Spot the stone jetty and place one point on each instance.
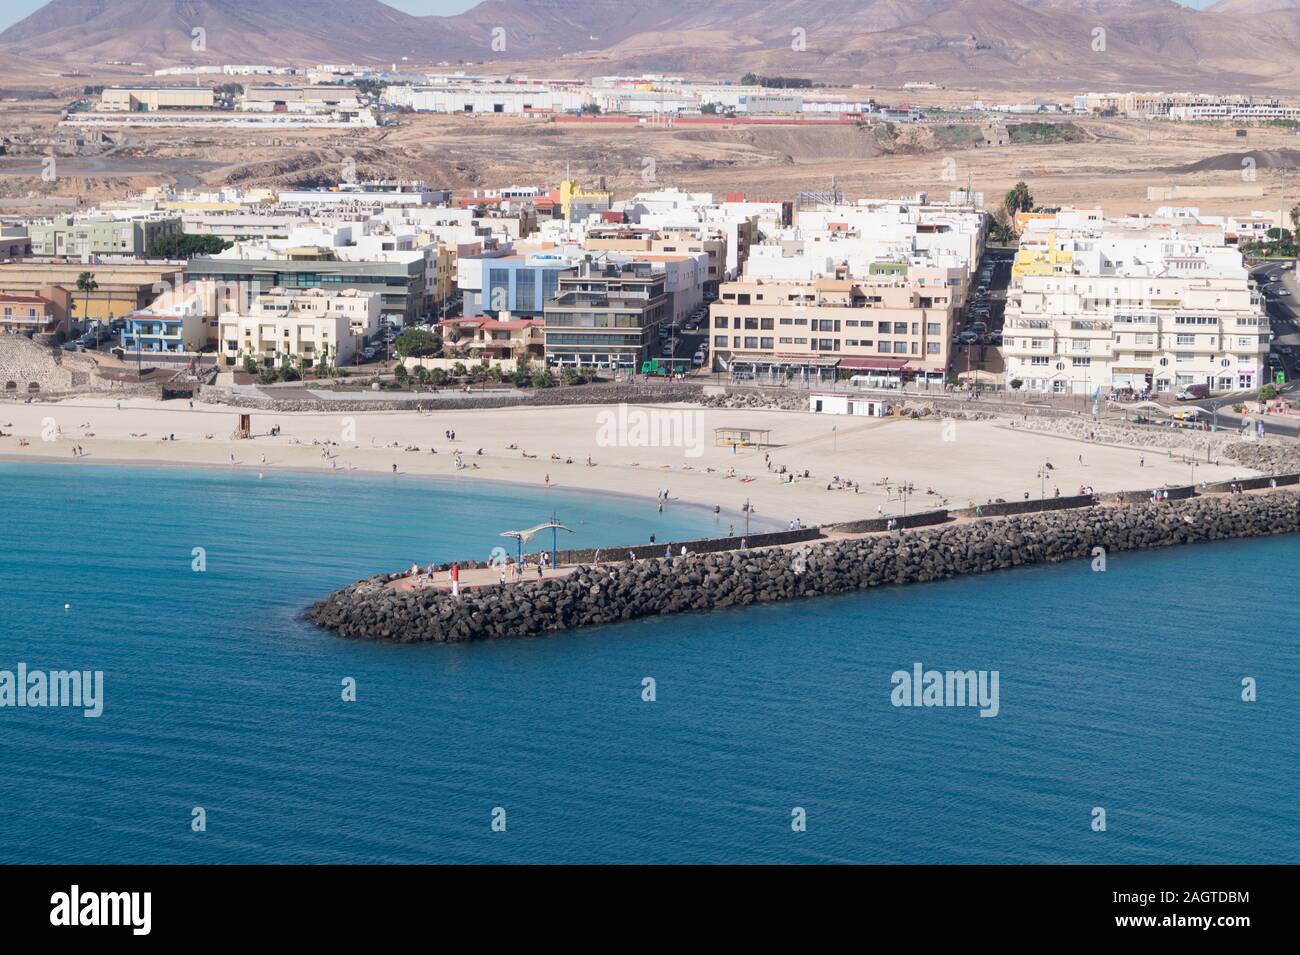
(592, 595)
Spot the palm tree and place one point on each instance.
(1018, 199)
(86, 284)
(1295, 218)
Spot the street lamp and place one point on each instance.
(1042, 477)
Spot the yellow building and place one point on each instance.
(120, 288)
(1041, 260)
(572, 194)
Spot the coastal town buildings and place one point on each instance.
(121, 287)
(300, 327)
(117, 233)
(895, 323)
(1148, 305)
(26, 315)
(494, 339)
(394, 266)
(606, 315)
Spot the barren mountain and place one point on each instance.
(181, 32)
(1050, 44)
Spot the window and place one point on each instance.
(932, 328)
(526, 290)
(900, 348)
(932, 348)
(1081, 362)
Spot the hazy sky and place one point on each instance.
(11, 11)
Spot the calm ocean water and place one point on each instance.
(1118, 690)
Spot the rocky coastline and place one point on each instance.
(593, 595)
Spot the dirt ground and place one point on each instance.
(1112, 162)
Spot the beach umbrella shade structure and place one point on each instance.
(524, 536)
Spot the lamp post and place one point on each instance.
(1042, 477)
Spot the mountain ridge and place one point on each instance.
(1049, 44)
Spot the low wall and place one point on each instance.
(628, 590)
(1254, 484)
(546, 397)
(1173, 493)
(710, 545)
(877, 524)
(1032, 506)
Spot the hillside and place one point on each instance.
(1052, 44)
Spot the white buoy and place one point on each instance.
(67, 607)
(259, 475)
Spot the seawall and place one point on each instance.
(627, 590)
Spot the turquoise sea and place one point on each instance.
(1119, 690)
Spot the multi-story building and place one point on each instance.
(26, 315)
(708, 242)
(606, 315)
(895, 324)
(494, 339)
(519, 284)
(1134, 305)
(398, 276)
(120, 287)
(307, 327)
(174, 329)
(124, 234)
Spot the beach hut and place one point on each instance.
(742, 438)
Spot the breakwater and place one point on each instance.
(592, 595)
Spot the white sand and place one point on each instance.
(983, 461)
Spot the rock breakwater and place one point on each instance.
(609, 593)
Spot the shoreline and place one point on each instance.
(758, 522)
(813, 469)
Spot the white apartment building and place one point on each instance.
(1136, 306)
(298, 326)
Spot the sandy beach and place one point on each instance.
(852, 471)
